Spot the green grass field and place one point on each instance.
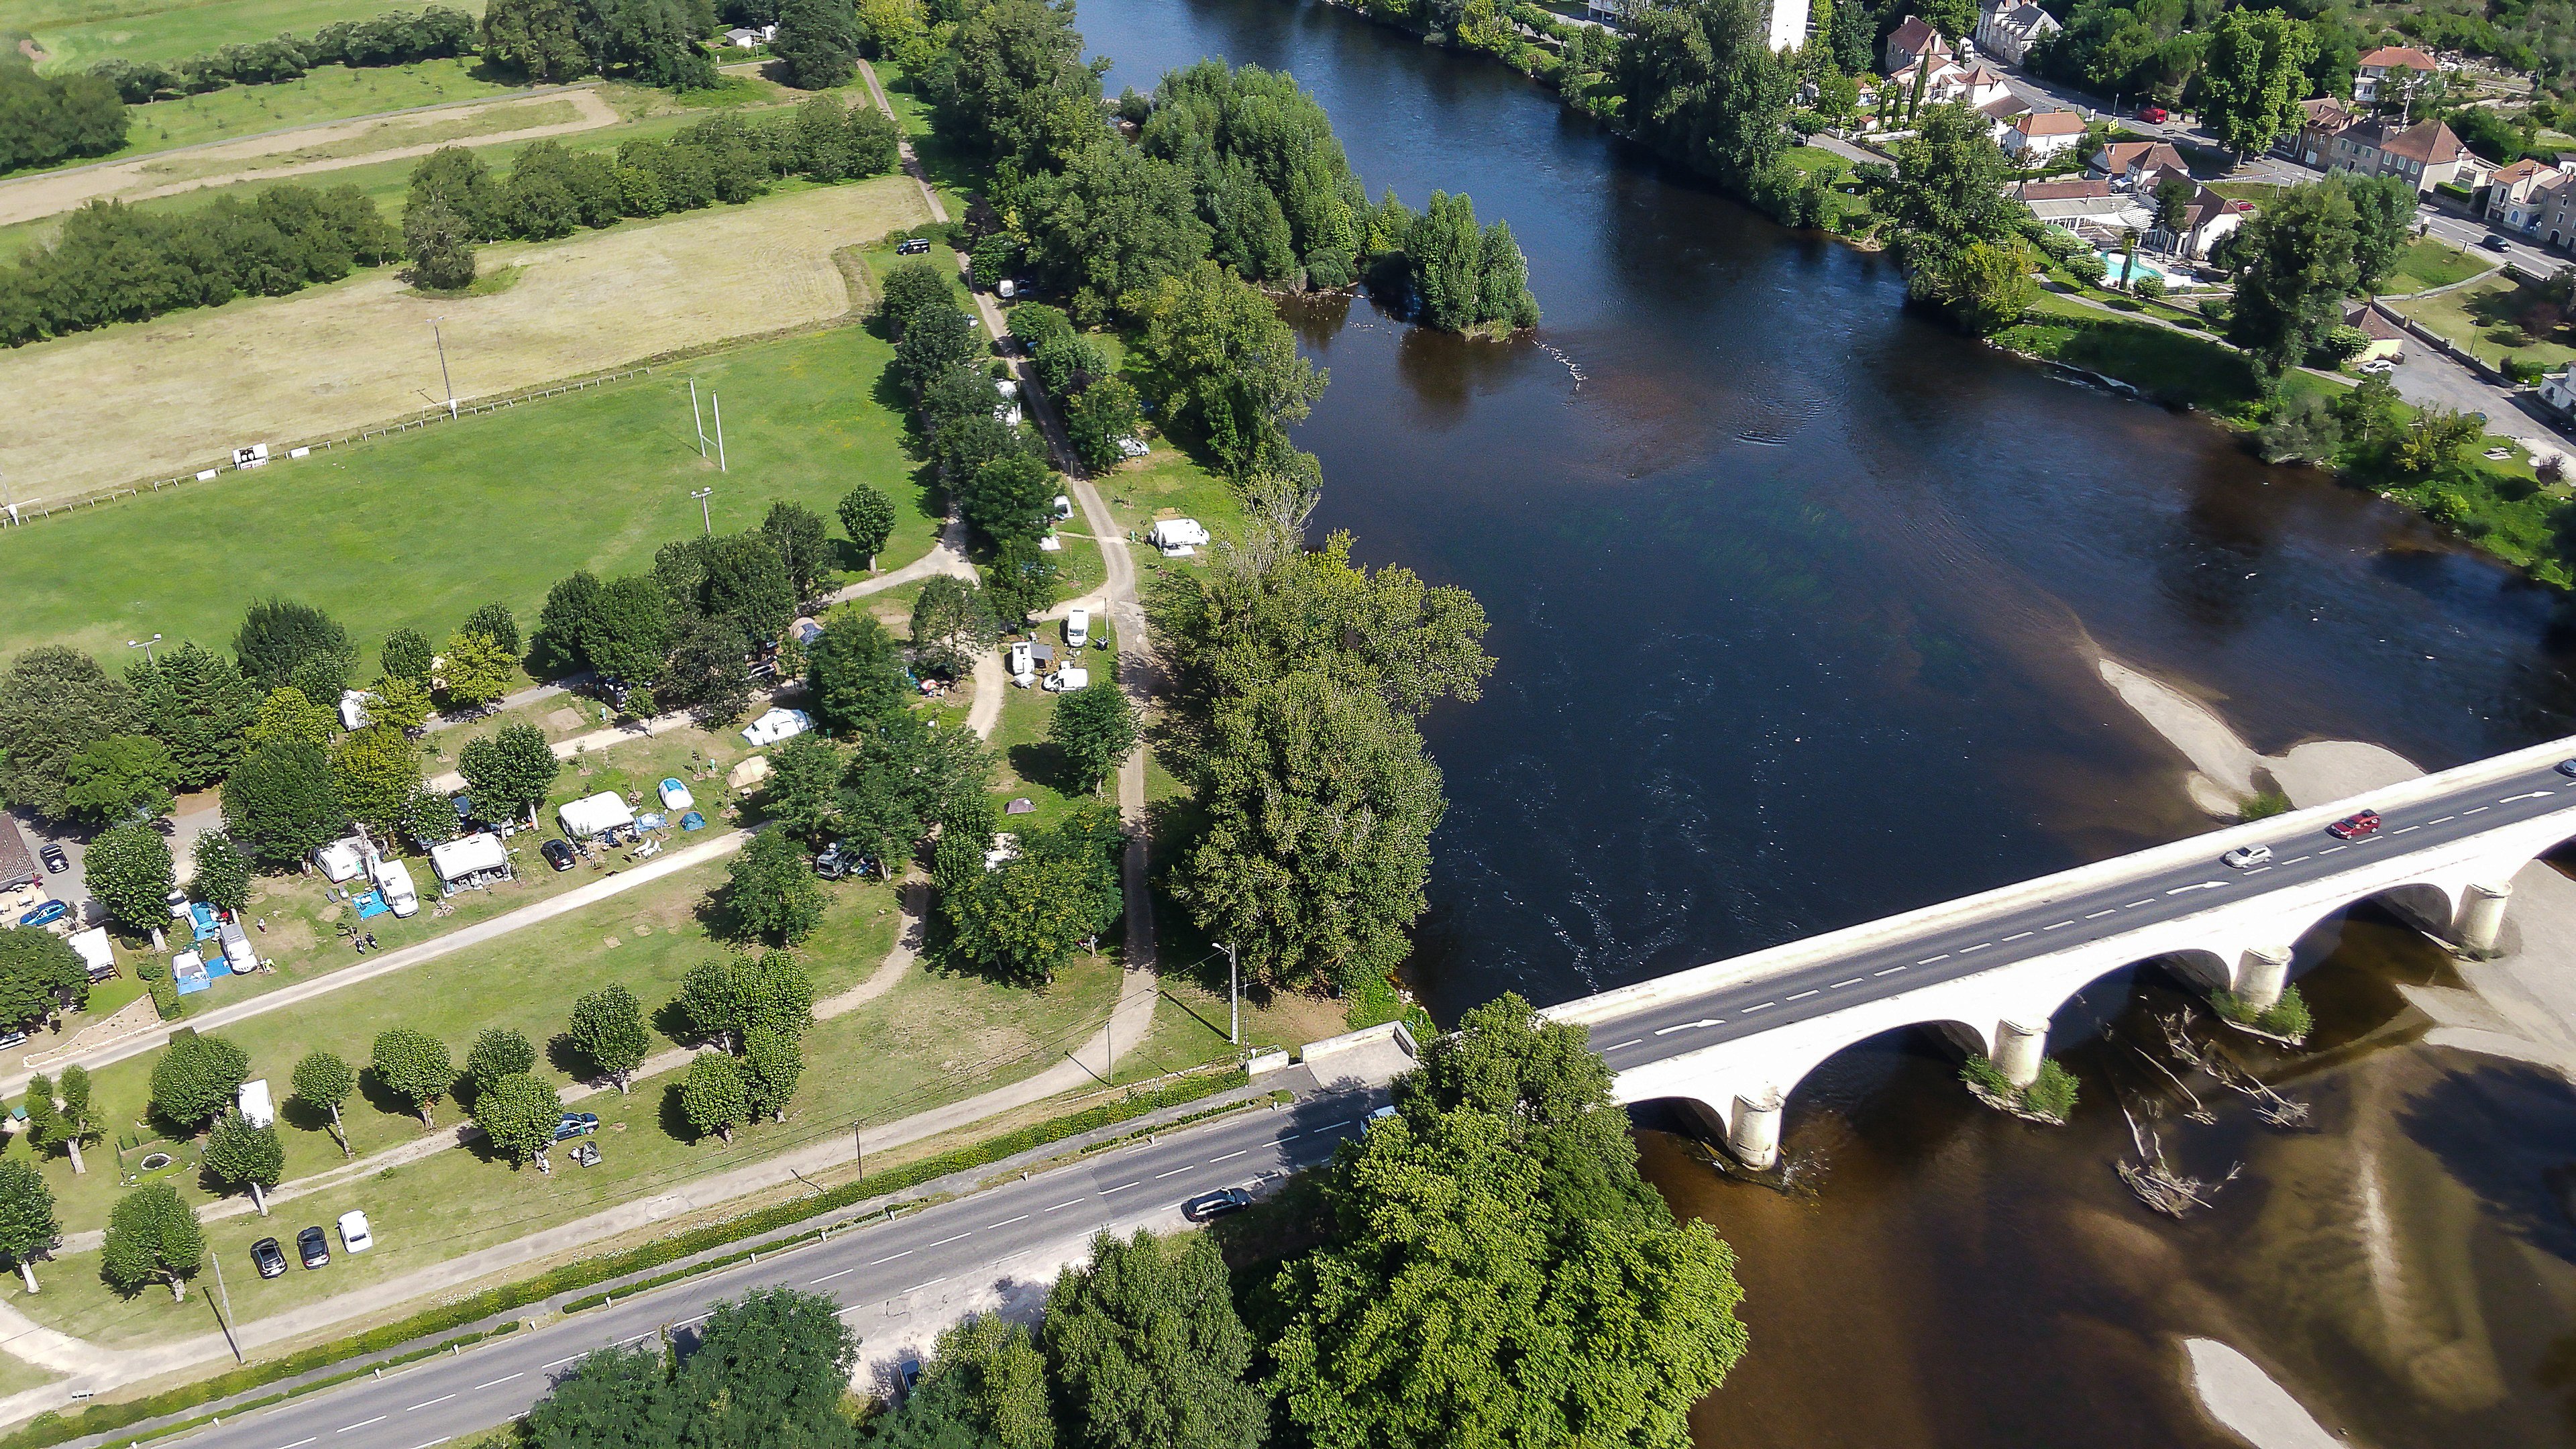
(419, 529)
(2486, 319)
(2428, 264)
(329, 94)
(2168, 365)
(74, 33)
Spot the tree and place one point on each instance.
(866, 516)
(772, 1060)
(1101, 420)
(440, 247)
(1287, 870)
(913, 289)
(2251, 77)
(2293, 264)
(1146, 1348)
(710, 672)
(1704, 88)
(194, 701)
(281, 802)
(286, 716)
(495, 622)
(75, 1119)
(278, 638)
(401, 703)
(497, 1052)
(197, 1079)
(1096, 730)
(121, 778)
(241, 1155)
(935, 340)
(803, 545)
(510, 769)
(38, 971)
(44, 1116)
(538, 39)
(28, 1227)
(475, 670)
(1030, 914)
(325, 1081)
(374, 773)
(414, 1067)
(2173, 202)
(608, 1027)
(152, 1236)
(1022, 581)
(1116, 222)
(128, 869)
(854, 674)
(457, 178)
(54, 703)
(223, 872)
(771, 1369)
(713, 1097)
(1991, 286)
(729, 997)
(518, 1115)
(953, 625)
(1239, 380)
(2383, 215)
(407, 655)
(817, 43)
(631, 631)
(802, 792)
(1947, 194)
(986, 1385)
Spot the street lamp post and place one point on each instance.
(444, 380)
(704, 517)
(1233, 1000)
(146, 646)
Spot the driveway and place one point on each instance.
(2428, 378)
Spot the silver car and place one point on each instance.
(2246, 857)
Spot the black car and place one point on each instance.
(2492, 242)
(313, 1246)
(557, 854)
(1216, 1204)
(911, 246)
(268, 1258)
(576, 1124)
(55, 861)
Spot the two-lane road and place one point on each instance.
(2301, 854)
(1009, 1233)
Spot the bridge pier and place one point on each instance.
(1753, 1129)
(2262, 976)
(2481, 919)
(2019, 1050)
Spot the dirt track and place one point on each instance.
(287, 153)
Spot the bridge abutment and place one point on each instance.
(1753, 1128)
(2480, 923)
(2262, 975)
(2019, 1050)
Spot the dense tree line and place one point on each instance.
(2300, 256)
(45, 119)
(393, 38)
(653, 41)
(114, 263)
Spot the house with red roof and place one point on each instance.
(2390, 74)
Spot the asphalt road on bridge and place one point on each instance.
(968, 1240)
(2300, 854)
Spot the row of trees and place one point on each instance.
(2299, 257)
(46, 119)
(2164, 49)
(114, 263)
(394, 38)
(653, 41)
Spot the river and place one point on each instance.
(1797, 595)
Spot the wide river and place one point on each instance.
(1796, 596)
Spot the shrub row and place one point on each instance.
(45, 119)
(54, 1428)
(393, 38)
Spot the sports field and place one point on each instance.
(418, 529)
(74, 33)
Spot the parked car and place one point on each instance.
(557, 854)
(911, 246)
(270, 1259)
(2246, 857)
(908, 1376)
(1216, 1204)
(2377, 367)
(576, 1124)
(2567, 768)
(2353, 827)
(46, 914)
(12, 1037)
(55, 861)
(2153, 115)
(313, 1246)
(675, 796)
(354, 1232)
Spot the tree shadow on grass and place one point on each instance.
(1043, 763)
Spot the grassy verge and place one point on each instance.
(329, 93)
(77, 32)
(2167, 365)
(2487, 320)
(2428, 264)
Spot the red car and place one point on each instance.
(2353, 827)
(2152, 115)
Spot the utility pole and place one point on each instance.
(696, 420)
(705, 518)
(1233, 999)
(717, 403)
(443, 379)
(224, 1310)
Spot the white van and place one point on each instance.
(1077, 628)
(393, 882)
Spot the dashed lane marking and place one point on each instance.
(443, 1398)
(1892, 970)
(1928, 960)
(1213, 1161)
(1632, 1041)
(961, 1237)
(503, 1379)
(345, 1428)
(1839, 985)
(1175, 1172)
(1972, 950)
(2331, 849)
(1766, 1006)
(1006, 1222)
(890, 1257)
(558, 1363)
(1801, 996)
(2057, 926)
(2019, 936)
(2294, 860)
(299, 1444)
(2133, 905)
(2445, 820)
(1122, 1187)
(2403, 829)
(2108, 911)
(2481, 810)
(2258, 870)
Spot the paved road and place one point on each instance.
(973, 1240)
(2301, 854)
(2460, 231)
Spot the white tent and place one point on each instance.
(91, 946)
(257, 1107)
(1178, 533)
(592, 814)
(776, 725)
(471, 855)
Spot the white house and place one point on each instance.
(2006, 29)
(2123, 163)
(2555, 393)
(2517, 196)
(744, 37)
(2208, 217)
(2390, 74)
(2041, 134)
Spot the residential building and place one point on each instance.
(2001, 111)
(2085, 207)
(2320, 121)
(2390, 74)
(2006, 29)
(1912, 41)
(2517, 195)
(2556, 222)
(2206, 218)
(1978, 85)
(2426, 154)
(2041, 134)
(2387, 339)
(2556, 394)
(2125, 162)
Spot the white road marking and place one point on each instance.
(299, 1444)
(944, 1242)
(541, 1368)
(1972, 950)
(2061, 923)
(1213, 1161)
(2528, 795)
(1175, 1172)
(1006, 1222)
(1293, 1136)
(433, 1443)
(503, 1379)
(1928, 960)
(890, 1257)
(846, 1312)
(2294, 860)
(1632, 1041)
(2020, 936)
(2481, 810)
(1766, 1006)
(2445, 820)
(2331, 849)
(345, 1428)
(2403, 829)
(1892, 970)
(1801, 996)
(2097, 915)
(1693, 1025)
(443, 1398)
(2258, 870)
(2207, 885)
(1839, 985)
(1122, 1187)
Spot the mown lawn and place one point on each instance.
(2428, 264)
(74, 33)
(2166, 364)
(329, 93)
(419, 529)
(2486, 320)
